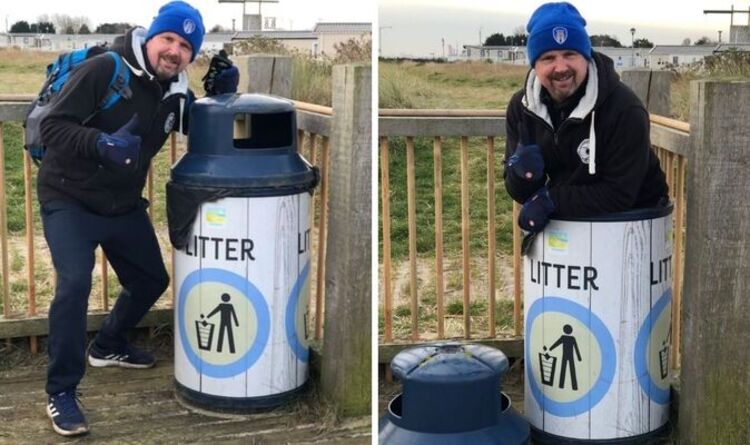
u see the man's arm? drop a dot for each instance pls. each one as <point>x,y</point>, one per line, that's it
<point>519,189</point>
<point>621,166</point>
<point>63,128</point>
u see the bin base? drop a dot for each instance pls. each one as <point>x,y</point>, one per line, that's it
<point>235,405</point>
<point>653,438</point>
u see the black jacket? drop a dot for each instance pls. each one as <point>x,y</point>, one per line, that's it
<point>627,173</point>
<point>72,168</point>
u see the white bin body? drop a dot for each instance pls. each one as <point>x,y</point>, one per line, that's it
<point>256,251</point>
<point>598,303</point>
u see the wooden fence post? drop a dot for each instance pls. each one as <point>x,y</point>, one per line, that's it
<point>346,361</point>
<point>715,379</point>
<point>265,74</point>
<point>653,88</point>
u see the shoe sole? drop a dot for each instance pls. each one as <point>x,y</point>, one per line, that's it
<point>62,432</point>
<point>103,363</point>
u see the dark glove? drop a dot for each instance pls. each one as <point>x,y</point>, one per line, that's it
<point>527,163</point>
<point>535,212</point>
<point>222,76</point>
<point>122,146</point>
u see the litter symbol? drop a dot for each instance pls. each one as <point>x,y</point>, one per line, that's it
<point>205,332</point>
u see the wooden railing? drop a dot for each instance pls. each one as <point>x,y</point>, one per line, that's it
<point>314,130</point>
<point>669,138</point>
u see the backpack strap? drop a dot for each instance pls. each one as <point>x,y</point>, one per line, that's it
<point>119,85</point>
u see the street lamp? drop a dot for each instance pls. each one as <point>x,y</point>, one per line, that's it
<point>632,46</point>
<point>380,39</point>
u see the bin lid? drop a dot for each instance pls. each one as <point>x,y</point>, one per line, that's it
<point>244,141</point>
<point>450,387</point>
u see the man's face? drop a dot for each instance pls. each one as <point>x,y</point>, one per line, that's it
<point>169,54</point>
<point>561,72</point>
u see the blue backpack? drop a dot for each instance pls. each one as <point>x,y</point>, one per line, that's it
<point>57,74</point>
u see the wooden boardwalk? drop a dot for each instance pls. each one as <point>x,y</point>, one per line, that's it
<point>139,407</point>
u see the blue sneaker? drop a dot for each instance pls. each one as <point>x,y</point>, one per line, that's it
<point>64,411</point>
<point>128,357</point>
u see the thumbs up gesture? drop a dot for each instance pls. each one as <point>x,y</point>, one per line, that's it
<point>122,146</point>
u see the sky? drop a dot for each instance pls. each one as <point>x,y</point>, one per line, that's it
<point>417,27</point>
<point>290,14</point>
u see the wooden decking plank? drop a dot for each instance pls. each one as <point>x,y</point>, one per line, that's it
<point>139,406</point>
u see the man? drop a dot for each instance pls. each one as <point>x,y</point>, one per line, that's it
<point>90,185</point>
<point>577,137</point>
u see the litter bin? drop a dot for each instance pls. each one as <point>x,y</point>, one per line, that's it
<point>598,329</point>
<point>239,216</point>
<point>451,395</point>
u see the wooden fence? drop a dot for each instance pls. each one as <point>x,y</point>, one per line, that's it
<point>670,139</point>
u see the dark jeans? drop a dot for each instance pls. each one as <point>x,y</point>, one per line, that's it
<point>128,240</point>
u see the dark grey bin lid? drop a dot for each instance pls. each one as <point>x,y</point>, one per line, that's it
<point>451,394</point>
<point>264,163</point>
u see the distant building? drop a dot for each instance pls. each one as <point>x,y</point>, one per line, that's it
<point>329,34</point>
<point>320,41</point>
<point>504,54</point>
<point>658,57</point>
<point>723,47</point>
<point>625,58</point>
<point>668,56</point>
<point>317,42</point>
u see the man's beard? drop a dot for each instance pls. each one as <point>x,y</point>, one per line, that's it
<point>164,73</point>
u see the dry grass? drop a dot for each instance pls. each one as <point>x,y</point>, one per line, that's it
<point>448,85</point>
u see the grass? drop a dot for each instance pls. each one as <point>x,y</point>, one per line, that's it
<point>451,197</point>
<point>448,85</point>
<point>452,321</point>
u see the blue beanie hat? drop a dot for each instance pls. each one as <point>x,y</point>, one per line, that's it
<point>180,18</point>
<point>555,26</point>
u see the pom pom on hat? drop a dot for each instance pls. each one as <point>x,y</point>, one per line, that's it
<point>182,19</point>
<point>557,26</point>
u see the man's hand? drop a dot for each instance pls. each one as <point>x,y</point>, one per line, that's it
<point>535,212</point>
<point>122,146</point>
<point>222,76</point>
<point>527,163</point>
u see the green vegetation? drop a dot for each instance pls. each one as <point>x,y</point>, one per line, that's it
<point>469,85</point>
<point>425,198</point>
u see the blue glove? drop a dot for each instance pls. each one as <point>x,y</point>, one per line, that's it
<point>535,212</point>
<point>122,146</point>
<point>527,163</point>
<point>226,81</point>
<point>222,76</point>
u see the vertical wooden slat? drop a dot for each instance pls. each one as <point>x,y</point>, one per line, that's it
<point>301,142</point>
<point>412,223</point>
<point>4,229</point>
<point>319,284</point>
<point>466,255</point>
<point>669,169</point>
<point>517,320</point>
<point>172,159</point>
<point>314,203</point>
<point>31,285</point>
<point>150,190</point>
<point>28,198</point>
<point>385,197</point>
<point>677,266</point>
<point>105,281</point>
<point>437,148</point>
<point>491,234</point>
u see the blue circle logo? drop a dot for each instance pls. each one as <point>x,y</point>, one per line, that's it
<point>219,324</point>
<point>652,346</point>
<point>581,334</point>
<point>294,336</point>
